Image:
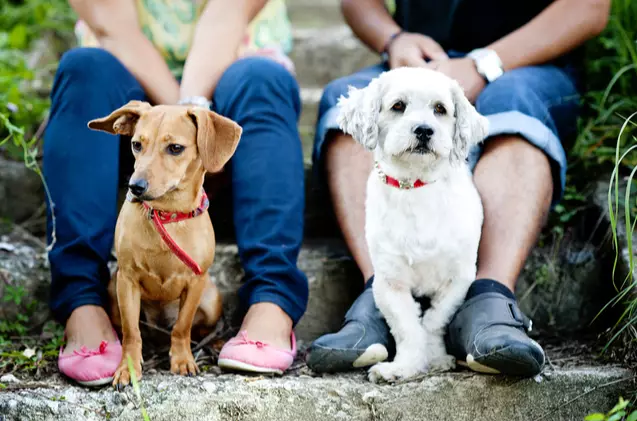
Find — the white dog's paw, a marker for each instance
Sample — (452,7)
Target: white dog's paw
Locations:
(442,363)
(391,372)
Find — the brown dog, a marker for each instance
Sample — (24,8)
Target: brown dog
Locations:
(164,239)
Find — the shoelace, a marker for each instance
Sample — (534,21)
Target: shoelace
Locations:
(85,352)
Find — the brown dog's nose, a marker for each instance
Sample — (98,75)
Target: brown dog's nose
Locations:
(138,187)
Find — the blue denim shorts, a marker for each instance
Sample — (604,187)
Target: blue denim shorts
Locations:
(539,103)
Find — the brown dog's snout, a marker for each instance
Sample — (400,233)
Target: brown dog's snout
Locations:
(138,187)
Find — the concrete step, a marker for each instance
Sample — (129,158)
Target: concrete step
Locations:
(567,394)
(324,54)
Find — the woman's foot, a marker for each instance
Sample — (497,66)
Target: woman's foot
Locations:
(92,352)
(87,327)
(265,343)
(267,323)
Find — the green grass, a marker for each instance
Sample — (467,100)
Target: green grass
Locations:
(623,411)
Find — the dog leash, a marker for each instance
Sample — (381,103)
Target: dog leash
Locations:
(160,218)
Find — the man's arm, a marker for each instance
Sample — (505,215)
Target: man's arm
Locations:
(374,26)
(370,21)
(218,35)
(114,23)
(558,29)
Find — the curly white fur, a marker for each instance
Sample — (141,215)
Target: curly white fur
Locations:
(422,241)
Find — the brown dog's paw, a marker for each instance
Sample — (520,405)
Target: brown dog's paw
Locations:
(122,377)
(183,363)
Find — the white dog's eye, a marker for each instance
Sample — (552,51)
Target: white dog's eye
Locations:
(399,107)
(440,109)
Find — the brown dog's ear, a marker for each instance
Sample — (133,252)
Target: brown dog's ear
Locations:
(122,120)
(217,138)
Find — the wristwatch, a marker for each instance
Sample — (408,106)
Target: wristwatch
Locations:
(488,63)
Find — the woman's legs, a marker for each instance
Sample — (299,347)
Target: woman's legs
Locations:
(81,170)
(268,194)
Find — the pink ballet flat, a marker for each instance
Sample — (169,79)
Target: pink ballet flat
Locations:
(242,354)
(92,367)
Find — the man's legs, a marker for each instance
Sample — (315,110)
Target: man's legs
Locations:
(347,167)
(81,170)
(516,182)
(364,338)
(268,195)
(519,175)
(513,216)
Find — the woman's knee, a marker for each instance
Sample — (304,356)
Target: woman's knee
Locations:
(87,63)
(262,77)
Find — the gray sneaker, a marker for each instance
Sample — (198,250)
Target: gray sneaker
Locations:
(364,339)
(489,335)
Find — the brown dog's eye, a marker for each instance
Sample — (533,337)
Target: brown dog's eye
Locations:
(175,149)
(440,109)
(137,146)
(399,107)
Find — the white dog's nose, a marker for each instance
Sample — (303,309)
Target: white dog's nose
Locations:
(423,132)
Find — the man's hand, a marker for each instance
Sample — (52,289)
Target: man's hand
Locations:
(464,71)
(412,50)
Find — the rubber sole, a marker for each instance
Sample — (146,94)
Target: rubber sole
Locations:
(374,353)
(96,383)
(241,366)
(330,360)
(509,361)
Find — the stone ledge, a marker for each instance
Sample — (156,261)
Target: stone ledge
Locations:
(565,394)
(324,54)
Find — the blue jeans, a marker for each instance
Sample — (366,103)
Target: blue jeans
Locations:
(539,103)
(81,167)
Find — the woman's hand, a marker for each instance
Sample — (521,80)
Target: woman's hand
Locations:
(114,24)
(220,30)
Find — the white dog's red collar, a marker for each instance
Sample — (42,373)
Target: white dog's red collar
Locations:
(403,184)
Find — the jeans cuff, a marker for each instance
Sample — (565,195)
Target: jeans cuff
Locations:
(62,312)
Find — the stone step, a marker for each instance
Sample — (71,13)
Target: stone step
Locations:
(315,13)
(324,54)
(310,96)
(563,286)
(565,394)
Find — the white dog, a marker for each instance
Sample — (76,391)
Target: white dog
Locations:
(423,212)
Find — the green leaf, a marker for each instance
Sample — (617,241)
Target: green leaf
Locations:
(621,405)
(617,416)
(595,417)
(632,416)
(18,37)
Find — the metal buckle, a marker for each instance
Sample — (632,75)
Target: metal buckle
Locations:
(404,184)
(150,214)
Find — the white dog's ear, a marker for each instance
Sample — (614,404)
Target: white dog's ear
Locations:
(471,127)
(358,114)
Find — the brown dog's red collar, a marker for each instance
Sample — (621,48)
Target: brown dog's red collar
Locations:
(160,218)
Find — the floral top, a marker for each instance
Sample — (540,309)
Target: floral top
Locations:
(170,26)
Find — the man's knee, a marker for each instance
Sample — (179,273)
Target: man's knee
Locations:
(332,93)
(509,93)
